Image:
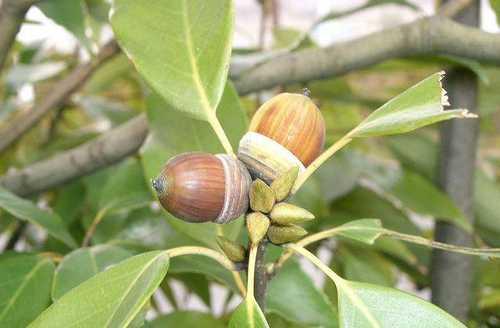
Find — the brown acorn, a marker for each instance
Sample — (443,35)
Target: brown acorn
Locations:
(286,131)
(202,187)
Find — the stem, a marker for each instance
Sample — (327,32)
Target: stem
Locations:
(252,257)
(239,283)
(16,235)
(320,160)
(93,226)
(221,135)
(261,277)
(195,250)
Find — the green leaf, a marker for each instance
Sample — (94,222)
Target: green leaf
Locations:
(421,196)
(111,298)
(174,133)
(28,211)
(181,47)
(418,106)
(364,230)
(366,305)
(68,14)
(365,265)
(248,315)
(187,319)
(205,266)
(82,264)
(125,189)
(25,281)
(293,296)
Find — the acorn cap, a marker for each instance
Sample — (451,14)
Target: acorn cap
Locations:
(257,225)
(284,213)
(261,197)
(235,252)
(201,187)
(285,234)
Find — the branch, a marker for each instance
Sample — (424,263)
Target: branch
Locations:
(61,91)
(103,151)
(427,36)
(261,277)
(12,14)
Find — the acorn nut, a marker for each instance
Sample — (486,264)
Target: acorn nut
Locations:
(286,131)
(202,187)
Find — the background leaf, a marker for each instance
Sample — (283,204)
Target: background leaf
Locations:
(187,319)
(182,48)
(25,281)
(111,298)
(25,210)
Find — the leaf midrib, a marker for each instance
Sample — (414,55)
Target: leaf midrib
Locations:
(26,279)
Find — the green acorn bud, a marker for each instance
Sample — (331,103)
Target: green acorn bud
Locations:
(257,225)
(284,213)
(284,183)
(235,252)
(285,234)
(261,197)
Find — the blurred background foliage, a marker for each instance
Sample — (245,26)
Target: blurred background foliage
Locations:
(390,178)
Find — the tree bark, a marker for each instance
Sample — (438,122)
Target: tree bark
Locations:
(452,273)
(12,14)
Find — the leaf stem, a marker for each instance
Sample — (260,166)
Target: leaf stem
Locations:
(221,134)
(252,257)
(196,250)
(93,226)
(339,144)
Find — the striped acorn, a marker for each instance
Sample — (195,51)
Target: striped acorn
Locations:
(286,131)
(202,187)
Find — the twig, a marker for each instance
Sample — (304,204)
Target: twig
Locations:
(453,8)
(61,91)
(12,14)
(261,277)
(15,236)
(427,36)
(101,152)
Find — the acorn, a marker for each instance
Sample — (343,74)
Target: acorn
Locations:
(202,187)
(286,131)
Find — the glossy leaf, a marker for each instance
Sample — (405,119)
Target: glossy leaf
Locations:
(181,47)
(418,106)
(248,315)
(366,305)
(25,281)
(364,230)
(111,298)
(293,296)
(26,210)
(82,264)
(187,319)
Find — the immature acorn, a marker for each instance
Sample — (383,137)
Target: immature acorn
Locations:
(286,131)
(201,187)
